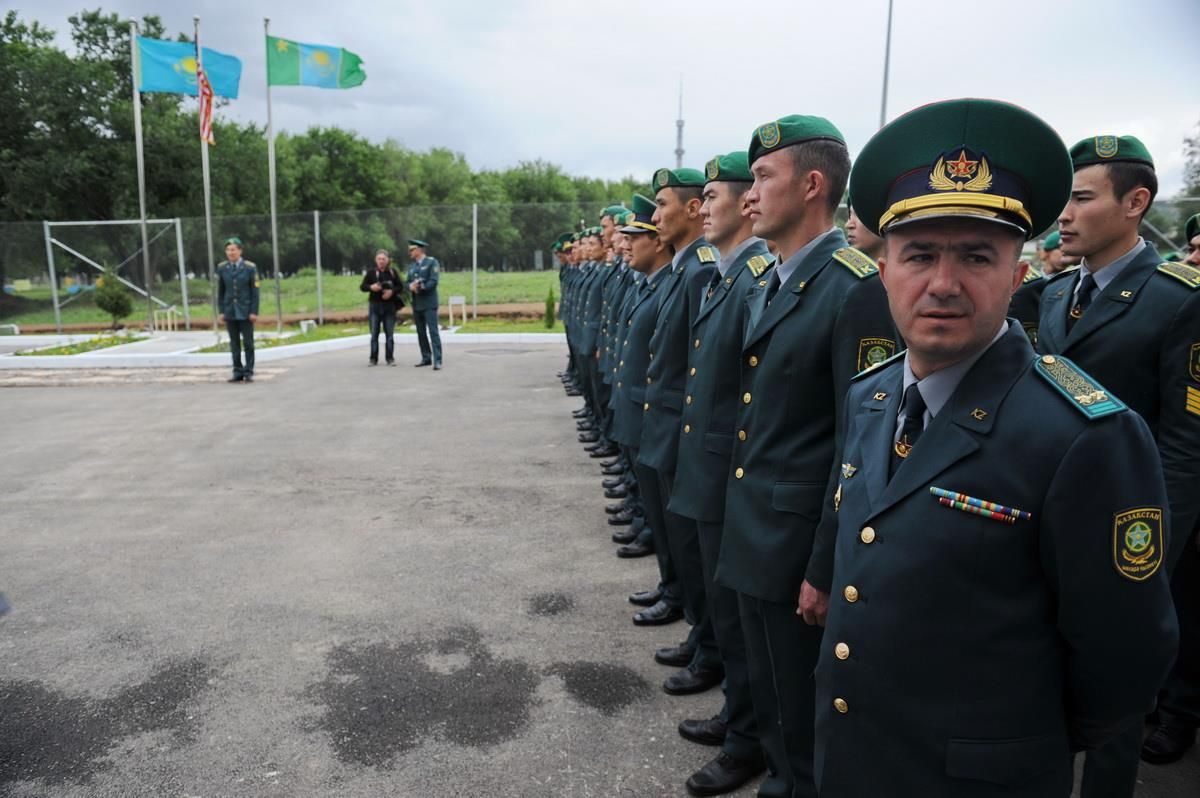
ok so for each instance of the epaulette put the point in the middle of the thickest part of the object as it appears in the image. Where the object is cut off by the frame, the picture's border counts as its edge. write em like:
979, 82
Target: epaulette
857, 262
1067, 272
706, 255
878, 366
1188, 275
250, 264
758, 264
1080, 389
1032, 275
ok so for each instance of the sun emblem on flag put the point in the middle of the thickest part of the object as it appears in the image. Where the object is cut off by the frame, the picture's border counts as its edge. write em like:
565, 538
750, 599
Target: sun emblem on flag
186, 68
320, 61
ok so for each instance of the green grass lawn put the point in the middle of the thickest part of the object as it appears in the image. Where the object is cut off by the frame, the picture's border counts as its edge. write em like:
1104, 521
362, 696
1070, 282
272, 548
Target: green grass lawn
509, 326
324, 332
99, 342
298, 293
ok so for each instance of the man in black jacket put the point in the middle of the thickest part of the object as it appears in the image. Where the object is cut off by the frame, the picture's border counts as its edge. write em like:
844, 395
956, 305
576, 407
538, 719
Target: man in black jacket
383, 285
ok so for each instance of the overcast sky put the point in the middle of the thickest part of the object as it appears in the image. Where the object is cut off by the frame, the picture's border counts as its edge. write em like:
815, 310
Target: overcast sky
593, 86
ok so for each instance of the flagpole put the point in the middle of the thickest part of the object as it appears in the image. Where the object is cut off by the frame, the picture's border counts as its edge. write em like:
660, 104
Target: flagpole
208, 236
271, 175
141, 167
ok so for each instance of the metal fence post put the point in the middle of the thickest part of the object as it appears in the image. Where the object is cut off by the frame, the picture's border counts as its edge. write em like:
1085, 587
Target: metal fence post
187, 316
317, 240
474, 260
53, 277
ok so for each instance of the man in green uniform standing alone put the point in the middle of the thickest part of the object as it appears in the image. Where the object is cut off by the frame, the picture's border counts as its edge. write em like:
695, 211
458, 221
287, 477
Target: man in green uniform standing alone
237, 297
422, 282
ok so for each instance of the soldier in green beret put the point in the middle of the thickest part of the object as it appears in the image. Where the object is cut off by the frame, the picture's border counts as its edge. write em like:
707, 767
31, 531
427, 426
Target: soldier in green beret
815, 320
999, 599
705, 448
237, 297
1192, 234
423, 274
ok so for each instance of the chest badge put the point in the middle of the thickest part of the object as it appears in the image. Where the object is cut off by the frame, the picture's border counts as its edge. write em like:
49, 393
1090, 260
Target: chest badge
849, 470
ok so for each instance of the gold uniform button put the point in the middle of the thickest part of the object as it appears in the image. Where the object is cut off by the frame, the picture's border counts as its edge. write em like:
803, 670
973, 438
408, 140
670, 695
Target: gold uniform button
618, 384
867, 535
850, 593
696, 344
739, 473
649, 381
741, 435
1048, 360
646, 406
746, 398
687, 428
840, 705
688, 399
753, 361
841, 651
692, 373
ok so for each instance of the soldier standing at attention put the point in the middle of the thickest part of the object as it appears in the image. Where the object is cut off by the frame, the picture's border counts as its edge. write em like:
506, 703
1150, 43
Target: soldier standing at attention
862, 239
237, 297
816, 320
1133, 321
1020, 487
422, 282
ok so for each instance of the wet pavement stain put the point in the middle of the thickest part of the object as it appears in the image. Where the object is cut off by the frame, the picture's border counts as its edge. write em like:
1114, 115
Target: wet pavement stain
56, 738
384, 699
608, 688
548, 604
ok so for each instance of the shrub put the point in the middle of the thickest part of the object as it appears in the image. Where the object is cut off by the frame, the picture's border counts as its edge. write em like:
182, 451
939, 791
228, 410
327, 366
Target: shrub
113, 299
548, 319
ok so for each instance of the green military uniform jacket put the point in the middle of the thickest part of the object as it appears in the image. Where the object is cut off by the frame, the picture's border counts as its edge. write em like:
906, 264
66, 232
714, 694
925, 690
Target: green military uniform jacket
1026, 301
1141, 338
630, 389
614, 298
706, 442
825, 323
237, 289
967, 655
425, 271
677, 307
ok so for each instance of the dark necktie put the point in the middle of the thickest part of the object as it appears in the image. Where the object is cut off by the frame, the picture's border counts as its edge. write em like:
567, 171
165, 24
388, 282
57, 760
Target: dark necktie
1084, 301
911, 427
772, 286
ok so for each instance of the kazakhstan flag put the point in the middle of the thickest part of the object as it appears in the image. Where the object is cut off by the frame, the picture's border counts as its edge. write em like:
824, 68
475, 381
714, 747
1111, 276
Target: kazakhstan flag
292, 63
171, 67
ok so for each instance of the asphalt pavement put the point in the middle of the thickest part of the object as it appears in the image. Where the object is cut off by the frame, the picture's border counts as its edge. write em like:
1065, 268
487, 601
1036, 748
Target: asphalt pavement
336, 581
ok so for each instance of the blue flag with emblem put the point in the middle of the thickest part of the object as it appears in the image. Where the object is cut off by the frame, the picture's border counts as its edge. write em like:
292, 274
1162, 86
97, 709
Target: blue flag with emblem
171, 67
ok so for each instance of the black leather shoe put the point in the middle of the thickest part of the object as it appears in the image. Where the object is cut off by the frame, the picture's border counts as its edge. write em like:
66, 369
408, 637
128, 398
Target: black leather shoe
581, 413
422, 363
613, 509
703, 732
372, 362
1168, 743
607, 451
391, 362
610, 463
646, 598
612, 482
679, 656
658, 615
692, 680
724, 774
616, 493
248, 378
570, 391
623, 518
623, 537
634, 550
234, 379
612, 470
589, 437
585, 426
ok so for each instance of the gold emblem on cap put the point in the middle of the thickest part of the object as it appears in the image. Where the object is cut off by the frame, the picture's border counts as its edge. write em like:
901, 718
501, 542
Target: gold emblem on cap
712, 169
662, 177
769, 135
977, 175
1106, 146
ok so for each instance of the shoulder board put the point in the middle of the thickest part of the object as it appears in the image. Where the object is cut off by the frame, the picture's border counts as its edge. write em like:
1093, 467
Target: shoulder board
1078, 387
857, 262
1067, 272
880, 366
1188, 275
1032, 275
758, 264
249, 264
706, 255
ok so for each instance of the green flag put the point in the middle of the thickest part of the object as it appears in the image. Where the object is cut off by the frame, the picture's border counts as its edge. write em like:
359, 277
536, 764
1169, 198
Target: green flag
292, 63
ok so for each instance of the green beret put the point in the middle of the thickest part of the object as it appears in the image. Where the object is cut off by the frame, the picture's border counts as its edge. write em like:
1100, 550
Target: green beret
793, 129
677, 178
1052, 241
643, 212
1110, 149
612, 211
233, 240
734, 167
577, 235
416, 242
1172, 255
1191, 228
984, 159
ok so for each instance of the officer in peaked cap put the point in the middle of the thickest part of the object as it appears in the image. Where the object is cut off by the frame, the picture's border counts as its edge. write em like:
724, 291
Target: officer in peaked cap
237, 297
423, 275
999, 590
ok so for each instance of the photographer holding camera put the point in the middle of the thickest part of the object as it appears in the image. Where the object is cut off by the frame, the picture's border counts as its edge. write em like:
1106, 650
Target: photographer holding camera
384, 287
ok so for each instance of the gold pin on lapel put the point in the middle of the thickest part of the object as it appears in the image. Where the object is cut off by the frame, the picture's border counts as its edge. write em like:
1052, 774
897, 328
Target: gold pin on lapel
879, 397
979, 414
849, 470
1126, 294
837, 498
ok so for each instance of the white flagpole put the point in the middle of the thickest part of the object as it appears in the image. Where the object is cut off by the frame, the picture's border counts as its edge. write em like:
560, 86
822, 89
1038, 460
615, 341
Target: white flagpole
271, 174
208, 256
141, 167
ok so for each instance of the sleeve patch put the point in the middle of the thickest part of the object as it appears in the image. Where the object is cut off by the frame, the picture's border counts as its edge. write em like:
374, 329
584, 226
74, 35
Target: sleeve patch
858, 263
1138, 543
1194, 362
758, 264
1188, 275
1077, 386
707, 255
874, 351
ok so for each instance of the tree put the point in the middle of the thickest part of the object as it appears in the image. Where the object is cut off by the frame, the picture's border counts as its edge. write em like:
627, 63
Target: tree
113, 299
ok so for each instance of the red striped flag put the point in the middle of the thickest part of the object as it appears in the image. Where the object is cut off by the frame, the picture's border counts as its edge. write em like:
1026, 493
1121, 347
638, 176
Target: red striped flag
206, 107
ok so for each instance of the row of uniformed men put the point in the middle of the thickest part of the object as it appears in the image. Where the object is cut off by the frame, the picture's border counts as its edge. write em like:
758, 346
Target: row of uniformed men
984, 533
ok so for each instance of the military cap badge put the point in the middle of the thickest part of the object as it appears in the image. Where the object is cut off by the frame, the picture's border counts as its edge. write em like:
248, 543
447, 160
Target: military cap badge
961, 174
1106, 146
662, 178
712, 168
769, 135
